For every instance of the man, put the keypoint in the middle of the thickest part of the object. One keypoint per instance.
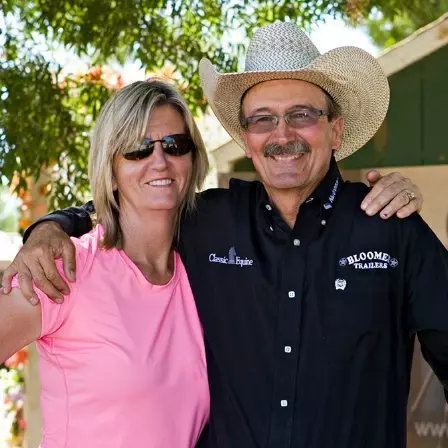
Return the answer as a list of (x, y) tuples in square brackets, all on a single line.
[(309, 307)]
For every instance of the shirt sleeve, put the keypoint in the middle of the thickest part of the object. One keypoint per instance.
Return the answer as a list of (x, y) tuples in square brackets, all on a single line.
[(434, 345), (53, 314), (426, 277), (426, 280), (75, 221)]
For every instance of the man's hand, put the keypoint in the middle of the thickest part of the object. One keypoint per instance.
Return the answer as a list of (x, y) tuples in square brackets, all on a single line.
[(36, 262), (392, 194)]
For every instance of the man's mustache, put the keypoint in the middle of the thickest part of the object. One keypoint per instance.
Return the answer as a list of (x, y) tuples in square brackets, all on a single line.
[(290, 149)]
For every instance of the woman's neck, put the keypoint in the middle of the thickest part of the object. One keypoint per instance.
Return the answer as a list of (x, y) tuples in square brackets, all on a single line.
[(148, 242)]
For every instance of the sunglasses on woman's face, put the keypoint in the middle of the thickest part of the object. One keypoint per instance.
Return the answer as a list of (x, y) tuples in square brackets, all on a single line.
[(173, 145)]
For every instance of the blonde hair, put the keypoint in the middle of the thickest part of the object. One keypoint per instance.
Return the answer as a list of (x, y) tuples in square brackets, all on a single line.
[(122, 124)]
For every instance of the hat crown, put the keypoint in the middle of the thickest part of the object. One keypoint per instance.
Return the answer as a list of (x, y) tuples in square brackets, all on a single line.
[(280, 46)]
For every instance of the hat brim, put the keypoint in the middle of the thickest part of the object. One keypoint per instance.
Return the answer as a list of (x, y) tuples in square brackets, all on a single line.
[(352, 76)]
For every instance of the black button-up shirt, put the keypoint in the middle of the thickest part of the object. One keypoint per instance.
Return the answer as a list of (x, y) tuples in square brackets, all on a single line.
[(310, 331)]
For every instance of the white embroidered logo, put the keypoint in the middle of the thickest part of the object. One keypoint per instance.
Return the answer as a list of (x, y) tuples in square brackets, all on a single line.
[(333, 192), (232, 258), (369, 260), (340, 283)]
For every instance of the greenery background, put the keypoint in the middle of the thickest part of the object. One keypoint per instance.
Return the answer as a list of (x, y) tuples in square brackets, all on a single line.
[(46, 115)]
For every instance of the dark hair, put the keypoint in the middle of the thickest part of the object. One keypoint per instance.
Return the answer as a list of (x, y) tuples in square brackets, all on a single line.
[(334, 110)]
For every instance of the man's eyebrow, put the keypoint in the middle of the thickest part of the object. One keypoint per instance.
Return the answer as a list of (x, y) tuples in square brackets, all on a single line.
[(266, 109), (260, 110), (302, 106)]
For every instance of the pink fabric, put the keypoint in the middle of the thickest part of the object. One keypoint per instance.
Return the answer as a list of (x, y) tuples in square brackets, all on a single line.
[(122, 362)]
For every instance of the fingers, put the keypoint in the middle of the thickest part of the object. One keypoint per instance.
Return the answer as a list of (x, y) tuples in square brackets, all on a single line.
[(48, 280), (390, 194), (373, 176), (25, 280), (35, 262), (69, 260), (407, 210), (383, 192), (8, 274), (40, 261), (399, 202), (26, 285), (29, 269), (414, 205)]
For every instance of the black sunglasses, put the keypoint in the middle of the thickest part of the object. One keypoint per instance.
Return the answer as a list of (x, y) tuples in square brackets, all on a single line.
[(174, 145)]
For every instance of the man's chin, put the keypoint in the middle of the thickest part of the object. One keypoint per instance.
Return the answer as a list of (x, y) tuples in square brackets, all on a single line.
[(285, 182)]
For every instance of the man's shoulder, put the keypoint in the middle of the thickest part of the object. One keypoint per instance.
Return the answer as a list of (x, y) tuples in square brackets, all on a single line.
[(411, 227), (217, 206), (348, 208), (351, 196), (238, 190), (355, 189)]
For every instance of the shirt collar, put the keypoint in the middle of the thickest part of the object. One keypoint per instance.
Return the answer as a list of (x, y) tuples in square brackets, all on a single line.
[(330, 185), (326, 192)]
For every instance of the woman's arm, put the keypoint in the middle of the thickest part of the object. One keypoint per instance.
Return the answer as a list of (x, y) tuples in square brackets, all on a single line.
[(50, 240), (20, 323)]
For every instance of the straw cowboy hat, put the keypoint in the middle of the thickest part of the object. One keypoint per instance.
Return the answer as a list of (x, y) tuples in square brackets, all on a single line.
[(350, 75)]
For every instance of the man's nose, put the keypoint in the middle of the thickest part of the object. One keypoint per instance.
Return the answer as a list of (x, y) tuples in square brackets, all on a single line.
[(283, 132)]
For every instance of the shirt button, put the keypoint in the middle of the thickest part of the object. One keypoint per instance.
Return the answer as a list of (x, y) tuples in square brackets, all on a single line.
[(291, 294), (284, 403), (323, 222), (268, 207), (287, 349), (296, 242), (271, 228)]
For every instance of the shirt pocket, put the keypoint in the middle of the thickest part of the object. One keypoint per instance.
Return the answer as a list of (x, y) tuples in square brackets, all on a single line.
[(357, 307)]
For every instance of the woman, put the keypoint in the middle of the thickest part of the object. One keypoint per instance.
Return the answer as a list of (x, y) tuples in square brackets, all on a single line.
[(122, 361)]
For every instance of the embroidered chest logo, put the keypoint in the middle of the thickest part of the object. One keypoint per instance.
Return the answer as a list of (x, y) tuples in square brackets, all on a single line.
[(369, 260), (332, 196), (232, 258), (340, 283)]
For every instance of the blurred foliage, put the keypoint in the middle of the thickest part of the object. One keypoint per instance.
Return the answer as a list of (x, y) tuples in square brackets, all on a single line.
[(44, 122), (46, 115), (9, 211), (396, 22), (12, 392)]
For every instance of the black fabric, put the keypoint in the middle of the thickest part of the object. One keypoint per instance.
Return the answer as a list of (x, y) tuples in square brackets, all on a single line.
[(74, 220), (309, 332)]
